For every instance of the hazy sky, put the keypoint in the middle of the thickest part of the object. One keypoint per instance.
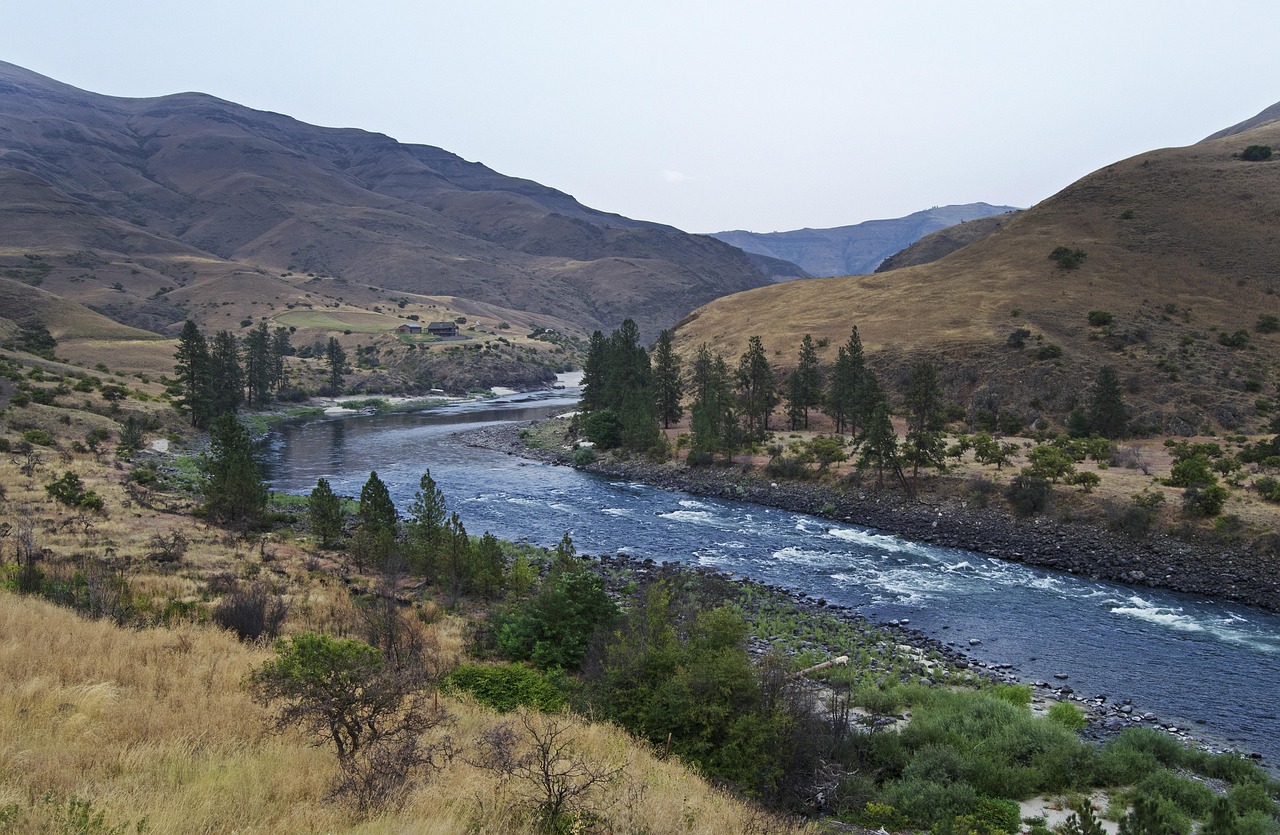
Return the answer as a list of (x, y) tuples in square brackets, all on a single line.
[(706, 114)]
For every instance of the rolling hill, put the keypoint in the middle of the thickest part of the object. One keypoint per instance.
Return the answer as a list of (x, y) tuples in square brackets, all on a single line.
[(1181, 259), (856, 249), (135, 205)]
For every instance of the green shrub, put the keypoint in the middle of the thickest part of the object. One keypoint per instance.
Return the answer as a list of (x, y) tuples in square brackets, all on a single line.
[(1018, 695), (1028, 494), (1267, 323), (1067, 258), (1204, 499), (1100, 318), (504, 687), (39, 437), (1256, 153), (1236, 339), (1048, 351), (584, 456), (1190, 796), (604, 429), (1068, 716)]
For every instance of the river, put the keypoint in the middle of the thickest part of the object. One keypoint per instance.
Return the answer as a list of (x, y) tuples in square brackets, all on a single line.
[(1212, 667)]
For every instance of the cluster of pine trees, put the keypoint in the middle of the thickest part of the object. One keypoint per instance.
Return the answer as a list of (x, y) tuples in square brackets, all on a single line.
[(222, 373), (628, 392), (430, 543)]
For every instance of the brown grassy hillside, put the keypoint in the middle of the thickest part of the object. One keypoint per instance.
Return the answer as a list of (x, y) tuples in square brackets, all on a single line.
[(1183, 246), (128, 199)]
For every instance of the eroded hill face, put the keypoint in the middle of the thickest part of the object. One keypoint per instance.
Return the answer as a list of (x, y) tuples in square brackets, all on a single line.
[(135, 202), (1182, 249)]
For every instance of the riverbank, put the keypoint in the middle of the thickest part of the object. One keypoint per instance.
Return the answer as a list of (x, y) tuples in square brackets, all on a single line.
[(1157, 560), (1111, 707)]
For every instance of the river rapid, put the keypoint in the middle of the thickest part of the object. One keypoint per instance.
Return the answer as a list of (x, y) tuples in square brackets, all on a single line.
[(1195, 663)]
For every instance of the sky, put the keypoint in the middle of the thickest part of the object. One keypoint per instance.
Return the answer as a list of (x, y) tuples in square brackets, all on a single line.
[(708, 115)]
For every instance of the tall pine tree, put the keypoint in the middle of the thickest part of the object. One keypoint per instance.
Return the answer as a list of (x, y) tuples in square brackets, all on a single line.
[(259, 366), (713, 423), (805, 385), (192, 368), (225, 374), (757, 389), (1108, 415), (232, 479), (667, 385), (925, 442)]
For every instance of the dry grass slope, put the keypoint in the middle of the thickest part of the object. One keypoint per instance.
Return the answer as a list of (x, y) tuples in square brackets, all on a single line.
[(1182, 245)]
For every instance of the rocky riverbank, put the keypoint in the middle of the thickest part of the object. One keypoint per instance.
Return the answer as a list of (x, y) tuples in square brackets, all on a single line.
[(1158, 560)]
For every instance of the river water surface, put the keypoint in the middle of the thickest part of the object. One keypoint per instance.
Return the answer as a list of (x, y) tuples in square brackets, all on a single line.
[(1213, 667)]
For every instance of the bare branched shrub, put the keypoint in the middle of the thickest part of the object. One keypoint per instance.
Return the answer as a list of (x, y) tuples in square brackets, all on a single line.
[(552, 777), (251, 610), (167, 548), (1132, 457)]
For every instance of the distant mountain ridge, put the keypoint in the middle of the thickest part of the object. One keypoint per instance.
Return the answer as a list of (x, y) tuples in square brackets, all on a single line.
[(180, 189), (859, 248)]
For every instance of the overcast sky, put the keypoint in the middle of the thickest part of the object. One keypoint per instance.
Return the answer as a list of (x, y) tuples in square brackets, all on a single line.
[(706, 114)]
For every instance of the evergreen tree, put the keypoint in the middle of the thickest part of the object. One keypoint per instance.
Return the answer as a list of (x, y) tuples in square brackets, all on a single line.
[(667, 385), (618, 380), (232, 479), (757, 389), (377, 513), (797, 414), (1148, 817), (878, 443), (594, 373), (713, 424), (805, 389), (924, 444), (225, 376), (259, 367), (280, 348), (426, 525), (324, 510), (847, 395), (1108, 415), (487, 566), (336, 358), (192, 368), (457, 557)]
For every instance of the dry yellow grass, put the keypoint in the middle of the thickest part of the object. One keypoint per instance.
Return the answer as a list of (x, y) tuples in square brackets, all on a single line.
[(155, 723)]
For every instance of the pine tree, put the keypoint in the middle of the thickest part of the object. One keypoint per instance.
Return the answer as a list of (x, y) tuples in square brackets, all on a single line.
[(667, 385), (232, 479), (377, 513), (713, 424), (259, 367), (1108, 415), (426, 525), (336, 358), (192, 368), (757, 389), (594, 372), (324, 510), (225, 375), (846, 400), (806, 387), (924, 443), (487, 566), (878, 443), (280, 348)]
